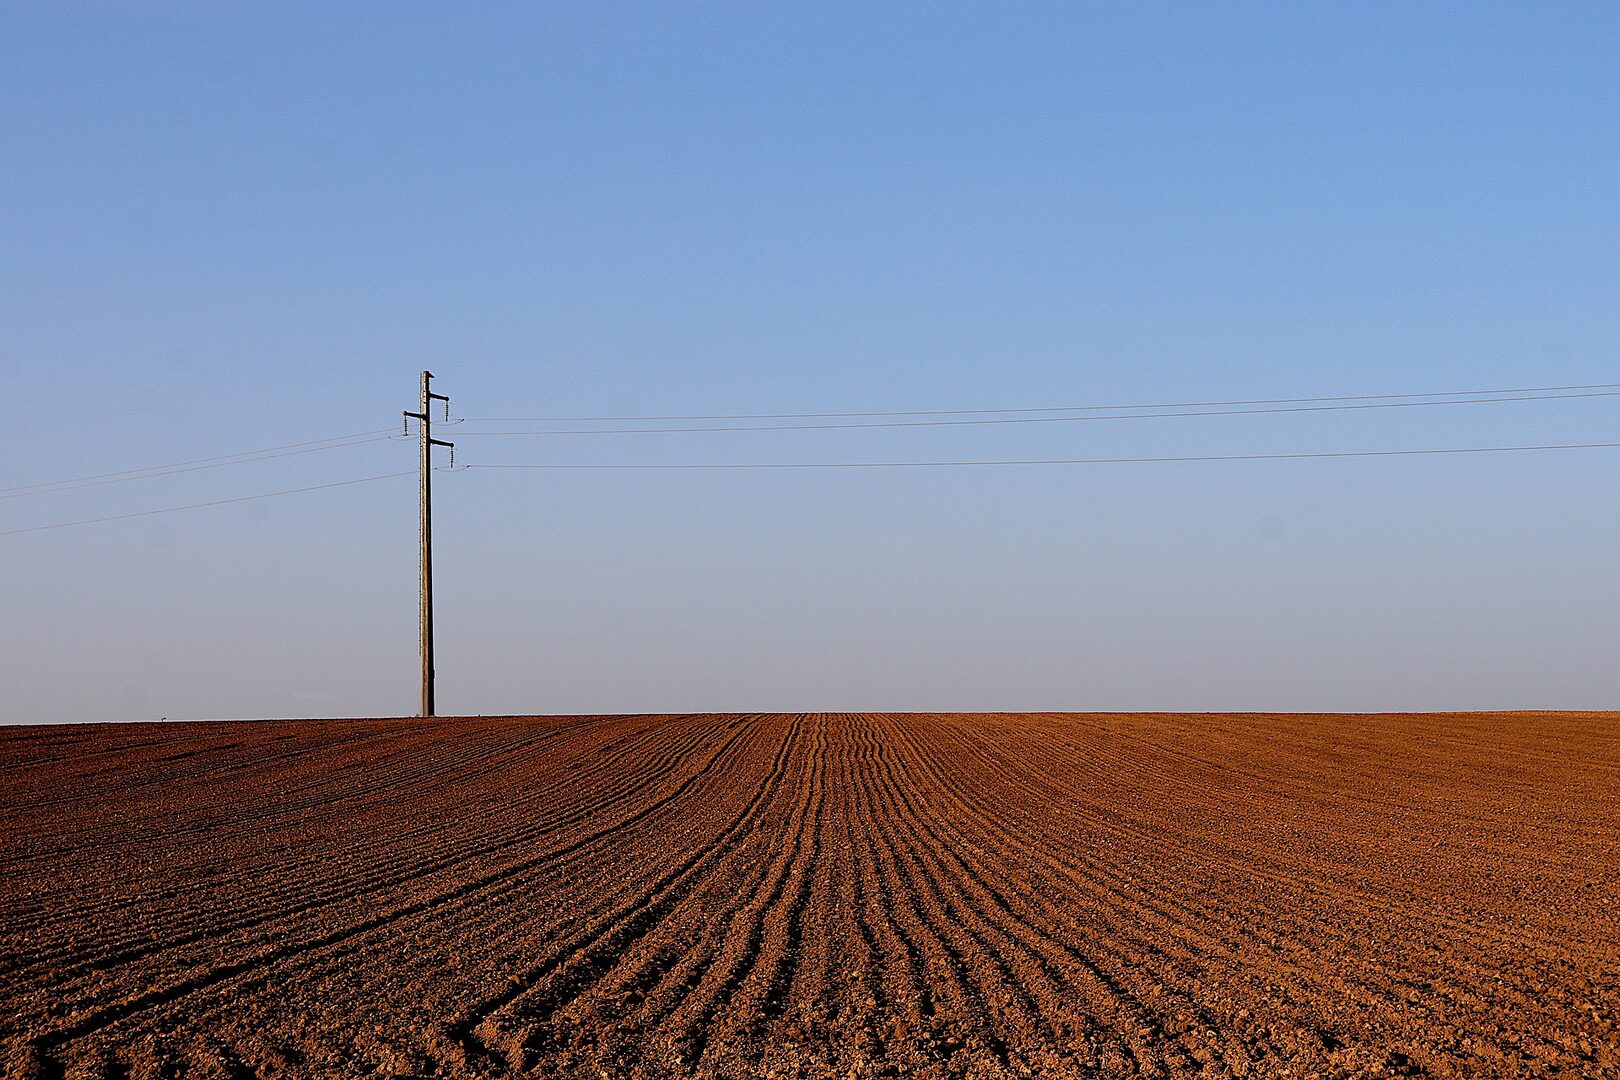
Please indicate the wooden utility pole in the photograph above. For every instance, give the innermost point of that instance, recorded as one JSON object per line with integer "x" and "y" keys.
{"x": 428, "y": 443}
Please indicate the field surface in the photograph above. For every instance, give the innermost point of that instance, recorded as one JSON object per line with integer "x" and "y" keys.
{"x": 814, "y": 895}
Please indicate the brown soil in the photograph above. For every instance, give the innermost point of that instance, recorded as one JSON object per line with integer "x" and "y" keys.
{"x": 818, "y": 895}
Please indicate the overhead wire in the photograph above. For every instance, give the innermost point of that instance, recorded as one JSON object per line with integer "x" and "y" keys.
{"x": 175, "y": 470}
{"x": 1290, "y": 405}
{"x": 1044, "y": 419}
{"x": 1042, "y": 409}
{"x": 212, "y": 502}
{"x": 1045, "y": 461}
{"x": 795, "y": 465}
{"x": 217, "y": 460}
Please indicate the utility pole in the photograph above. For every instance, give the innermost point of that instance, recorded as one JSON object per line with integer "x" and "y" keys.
{"x": 428, "y": 443}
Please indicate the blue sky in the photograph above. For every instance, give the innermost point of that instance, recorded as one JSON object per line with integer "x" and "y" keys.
{"x": 235, "y": 227}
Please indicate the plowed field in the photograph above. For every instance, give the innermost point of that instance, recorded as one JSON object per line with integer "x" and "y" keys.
{"x": 814, "y": 895}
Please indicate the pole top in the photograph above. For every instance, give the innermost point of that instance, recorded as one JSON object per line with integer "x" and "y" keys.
{"x": 427, "y": 374}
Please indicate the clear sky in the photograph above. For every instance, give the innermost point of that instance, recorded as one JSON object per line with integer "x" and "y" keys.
{"x": 238, "y": 226}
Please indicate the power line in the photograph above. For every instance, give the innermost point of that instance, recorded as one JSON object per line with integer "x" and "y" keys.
{"x": 1047, "y": 419}
{"x": 363, "y": 437}
{"x": 214, "y": 502}
{"x": 182, "y": 466}
{"x": 1046, "y": 409}
{"x": 1053, "y": 461}
{"x": 175, "y": 470}
{"x": 1467, "y": 397}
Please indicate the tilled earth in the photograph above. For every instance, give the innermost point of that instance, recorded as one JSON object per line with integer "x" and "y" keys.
{"x": 814, "y": 895}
